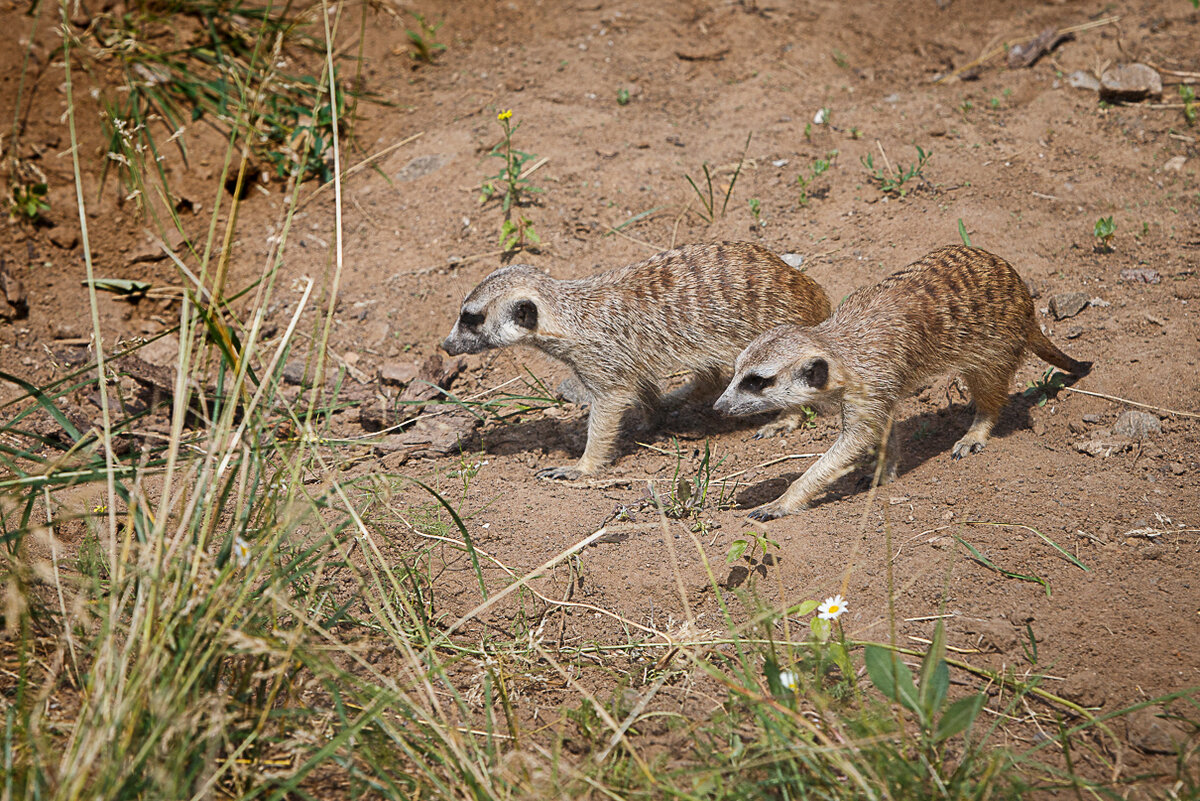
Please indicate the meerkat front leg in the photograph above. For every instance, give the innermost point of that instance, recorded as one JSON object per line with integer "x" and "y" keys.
{"x": 604, "y": 424}
{"x": 854, "y": 443}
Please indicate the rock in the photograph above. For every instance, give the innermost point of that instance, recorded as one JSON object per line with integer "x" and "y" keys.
{"x": 1136, "y": 425}
{"x": 1103, "y": 444}
{"x": 1151, "y": 733}
{"x": 1140, "y": 275}
{"x": 1091, "y": 418}
{"x": 1176, "y": 468}
{"x": 293, "y": 373}
{"x": 570, "y": 390}
{"x": 440, "y": 434}
{"x": 398, "y": 375}
{"x": 1130, "y": 83}
{"x": 1084, "y": 688}
{"x": 65, "y": 236}
{"x": 434, "y": 372}
{"x": 1024, "y": 55}
{"x": 793, "y": 259}
{"x": 13, "y": 290}
{"x": 421, "y": 166}
{"x": 1174, "y": 164}
{"x": 1083, "y": 80}
{"x": 1068, "y": 304}
{"x": 1075, "y": 332}
{"x": 993, "y": 635}
{"x": 162, "y": 352}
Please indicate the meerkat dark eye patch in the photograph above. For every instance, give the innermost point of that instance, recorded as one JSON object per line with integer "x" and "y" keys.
{"x": 469, "y": 320}
{"x": 756, "y": 383}
{"x": 525, "y": 314}
{"x": 816, "y": 373}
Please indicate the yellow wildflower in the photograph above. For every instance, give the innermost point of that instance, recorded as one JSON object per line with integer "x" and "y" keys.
{"x": 504, "y": 115}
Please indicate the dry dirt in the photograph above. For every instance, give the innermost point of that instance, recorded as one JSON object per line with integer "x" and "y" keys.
{"x": 1027, "y": 162}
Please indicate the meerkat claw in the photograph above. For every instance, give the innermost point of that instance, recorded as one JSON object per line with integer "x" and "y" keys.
{"x": 559, "y": 474}
{"x": 962, "y": 449}
{"x": 769, "y": 512}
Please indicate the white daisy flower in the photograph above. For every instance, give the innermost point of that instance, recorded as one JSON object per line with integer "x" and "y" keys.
{"x": 833, "y": 608}
{"x": 790, "y": 680}
{"x": 241, "y": 551}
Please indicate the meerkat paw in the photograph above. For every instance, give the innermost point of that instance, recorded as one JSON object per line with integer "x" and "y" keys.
{"x": 768, "y": 512}
{"x": 777, "y": 427}
{"x": 966, "y": 446}
{"x": 560, "y": 473}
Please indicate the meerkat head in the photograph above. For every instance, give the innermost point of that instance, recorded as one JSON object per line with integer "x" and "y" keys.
{"x": 505, "y": 309}
{"x": 783, "y": 368}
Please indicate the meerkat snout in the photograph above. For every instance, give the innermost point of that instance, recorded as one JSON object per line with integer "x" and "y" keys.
{"x": 490, "y": 326}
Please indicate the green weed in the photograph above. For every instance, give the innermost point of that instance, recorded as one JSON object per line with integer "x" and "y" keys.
{"x": 819, "y": 167}
{"x": 1104, "y": 230}
{"x": 512, "y": 186}
{"x": 708, "y": 197}
{"x": 1045, "y": 388}
{"x": 691, "y": 495}
{"x": 1188, "y": 95}
{"x": 893, "y": 180}
{"x": 756, "y": 211}
{"x": 423, "y": 40}
{"x": 29, "y": 202}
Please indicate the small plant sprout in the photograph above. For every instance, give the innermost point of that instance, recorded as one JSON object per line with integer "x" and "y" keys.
{"x": 708, "y": 197}
{"x": 1104, "y": 230}
{"x": 29, "y": 202}
{"x": 1188, "y": 95}
{"x": 962, "y": 233}
{"x": 424, "y": 42}
{"x": 893, "y": 180}
{"x": 622, "y": 97}
{"x": 747, "y": 547}
{"x": 832, "y": 608}
{"x": 512, "y": 186}
{"x": 756, "y": 211}
{"x": 1045, "y": 388}
{"x": 819, "y": 167}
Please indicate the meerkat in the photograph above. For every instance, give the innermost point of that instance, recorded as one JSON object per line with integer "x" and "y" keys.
{"x": 958, "y": 309}
{"x": 693, "y": 308}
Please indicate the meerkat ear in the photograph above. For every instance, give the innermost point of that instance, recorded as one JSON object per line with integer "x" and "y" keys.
{"x": 816, "y": 373}
{"x": 525, "y": 314}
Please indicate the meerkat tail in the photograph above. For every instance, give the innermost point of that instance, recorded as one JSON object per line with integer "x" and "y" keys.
{"x": 1048, "y": 352}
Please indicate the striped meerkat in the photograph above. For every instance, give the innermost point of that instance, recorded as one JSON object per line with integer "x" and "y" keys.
{"x": 958, "y": 309}
{"x": 693, "y": 308}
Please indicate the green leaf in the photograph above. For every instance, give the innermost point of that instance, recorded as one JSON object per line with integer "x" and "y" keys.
{"x": 806, "y": 608}
{"x": 891, "y": 676}
{"x": 120, "y": 286}
{"x": 935, "y": 676}
{"x": 962, "y": 232}
{"x": 959, "y": 716}
{"x": 820, "y": 629}
{"x": 736, "y": 549}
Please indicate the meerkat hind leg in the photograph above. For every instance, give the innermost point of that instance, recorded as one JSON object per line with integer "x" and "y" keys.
{"x": 989, "y": 392}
